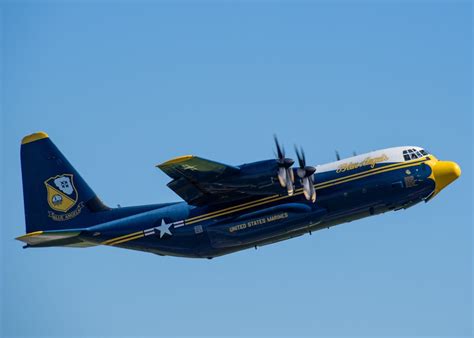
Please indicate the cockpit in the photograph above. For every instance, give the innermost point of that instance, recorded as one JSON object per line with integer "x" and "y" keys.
{"x": 413, "y": 154}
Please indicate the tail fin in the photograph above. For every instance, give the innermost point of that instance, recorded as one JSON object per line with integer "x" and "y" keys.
{"x": 56, "y": 197}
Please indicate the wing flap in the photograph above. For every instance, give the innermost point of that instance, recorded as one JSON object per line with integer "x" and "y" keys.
{"x": 186, "y": 190}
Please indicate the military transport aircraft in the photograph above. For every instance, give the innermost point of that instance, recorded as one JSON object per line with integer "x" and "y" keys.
{"x": 227, "y": 208}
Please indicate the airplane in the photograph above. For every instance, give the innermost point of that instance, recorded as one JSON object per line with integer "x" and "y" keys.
{"x": 226, "y": 208}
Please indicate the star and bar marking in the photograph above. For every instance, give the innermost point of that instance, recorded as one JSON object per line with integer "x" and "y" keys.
{"x": 163, "y": 229}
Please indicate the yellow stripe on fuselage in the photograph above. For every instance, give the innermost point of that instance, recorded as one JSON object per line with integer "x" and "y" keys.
{"x": 239, "y": 208}
{"x": 128, "y": 239}
{"x": 235, "y": 206}
{"x": 109, "y": 241}
{"x": 274, "y": 198}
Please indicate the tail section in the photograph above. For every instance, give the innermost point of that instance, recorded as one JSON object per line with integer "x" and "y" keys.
{"x": 56, "y": 197}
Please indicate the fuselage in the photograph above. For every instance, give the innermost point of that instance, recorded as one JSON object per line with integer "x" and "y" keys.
{"x": 348, "y": 189}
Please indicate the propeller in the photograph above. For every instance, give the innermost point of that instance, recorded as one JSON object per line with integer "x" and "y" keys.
{"x": 285, "y": 173}
{"x": 305, "y": 173}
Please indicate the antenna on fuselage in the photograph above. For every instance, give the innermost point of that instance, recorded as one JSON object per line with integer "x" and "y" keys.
{"x": 354, "y": 153}
{"x": 338, "y": 157}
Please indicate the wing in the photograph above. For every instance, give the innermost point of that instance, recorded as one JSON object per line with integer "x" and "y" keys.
{"x": 204, "y": 182}
{"x": 195, "y": 168}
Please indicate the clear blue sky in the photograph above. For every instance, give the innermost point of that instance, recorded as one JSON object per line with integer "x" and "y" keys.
{"x": 121, "y": 87}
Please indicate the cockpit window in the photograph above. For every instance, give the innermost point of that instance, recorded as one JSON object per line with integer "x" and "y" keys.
{"x": 413, "y": 154}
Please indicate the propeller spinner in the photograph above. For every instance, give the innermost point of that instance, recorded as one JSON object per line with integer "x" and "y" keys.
{"x": 305, "y": 173}
{"x": 285, "y": 173}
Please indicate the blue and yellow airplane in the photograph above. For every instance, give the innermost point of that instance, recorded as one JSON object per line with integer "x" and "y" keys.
{"x": 227, "y": 208}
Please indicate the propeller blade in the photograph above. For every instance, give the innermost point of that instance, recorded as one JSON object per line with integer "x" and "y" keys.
{"x": 308, "y": 189}
{"x": 292, "y": 176}
{"x": 280, "y": 151}
{"x": 281, "y": 159}
{"x": 313, "y": 192}
{"x": 282, "y": 176}
{"x": 301, "y": 172}
{"x": 289, "y": 184}
{"x": 285, "y": 172}
{"x": 305, "y": 173}
{"x": 300, "y": 156}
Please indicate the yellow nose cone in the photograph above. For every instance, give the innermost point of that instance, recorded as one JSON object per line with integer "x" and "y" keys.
{"x": 444, "y": 173}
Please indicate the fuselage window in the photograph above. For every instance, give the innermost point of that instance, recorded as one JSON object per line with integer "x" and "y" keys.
{"x": 406, "y": 156}
{"x": 423, "y": 152}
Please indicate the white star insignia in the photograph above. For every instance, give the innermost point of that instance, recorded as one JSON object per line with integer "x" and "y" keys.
{"x": 164, "y": 228}
{"x": 188, "y": 167}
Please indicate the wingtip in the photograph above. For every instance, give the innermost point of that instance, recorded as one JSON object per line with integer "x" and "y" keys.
{"x": 34, "y": 137}
{"x": 175, "y": 160}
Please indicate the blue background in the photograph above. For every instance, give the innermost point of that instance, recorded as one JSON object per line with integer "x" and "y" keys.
{"x": 122, "y": 87}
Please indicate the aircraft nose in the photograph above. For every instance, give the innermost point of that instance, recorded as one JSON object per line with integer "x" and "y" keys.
{"x": 444, "y": 173}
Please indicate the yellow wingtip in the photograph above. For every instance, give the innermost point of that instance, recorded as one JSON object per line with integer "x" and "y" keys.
{"x": 176, "y": 160}
{"x": 34, "y": 137}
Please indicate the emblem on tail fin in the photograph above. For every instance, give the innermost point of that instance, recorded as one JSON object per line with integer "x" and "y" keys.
{"x": 62, "y": 194}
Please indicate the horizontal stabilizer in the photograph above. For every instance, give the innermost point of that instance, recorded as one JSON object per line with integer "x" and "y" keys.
{"x": 69, "y": 238}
